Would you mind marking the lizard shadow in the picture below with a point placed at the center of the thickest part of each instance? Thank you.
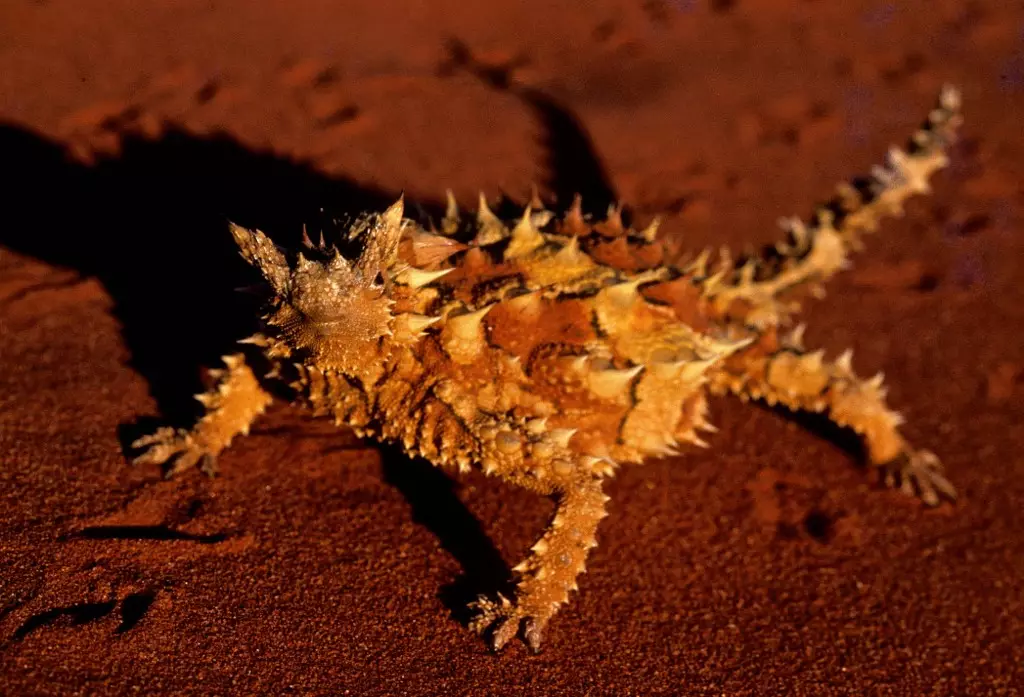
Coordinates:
(435, 504)
(150, 225)
(822, 427)
(572, 162)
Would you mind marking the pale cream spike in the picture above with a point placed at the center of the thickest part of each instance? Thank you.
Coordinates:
(393, 215)
(710, 285)
(699, 266)
(232, 361)
(623, 293)
(537, 426)
(304, 264)
(669, 370)
(797, 229)
(541, 218)
(338, 262)
(692, 371)
(814, 360)
(485, 216)
(845, 362)
(527, 303)
(205, 398)
(705, 425)
(915, 176)
(609, 384)
(650, 233)
(598, 465)
(796, 337)
(525, 237)
(570, 252)
(450, 222)
(452, 208)
(255, 340)
(463, 335)
(562, 436)
(574, 216)
(725, 347)
(416, 323)
(535, 200)
(747, 272)
(694, 439)
(417, 278)
(876, 381)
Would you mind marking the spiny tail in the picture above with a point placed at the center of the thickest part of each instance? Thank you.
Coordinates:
(814, 252)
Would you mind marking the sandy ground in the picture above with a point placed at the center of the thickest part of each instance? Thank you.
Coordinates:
(316, 564)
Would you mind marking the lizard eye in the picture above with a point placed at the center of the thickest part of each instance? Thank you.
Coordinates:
(378, 281)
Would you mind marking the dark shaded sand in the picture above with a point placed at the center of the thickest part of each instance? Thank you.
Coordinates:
(319, 565)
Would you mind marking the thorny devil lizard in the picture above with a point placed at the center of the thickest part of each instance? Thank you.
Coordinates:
(550, 351)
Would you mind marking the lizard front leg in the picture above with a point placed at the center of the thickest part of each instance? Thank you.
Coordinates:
(549, 573)
(231, 406)
(524, 450)
(799, 380)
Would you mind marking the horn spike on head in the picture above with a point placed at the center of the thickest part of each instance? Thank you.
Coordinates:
(258, 250)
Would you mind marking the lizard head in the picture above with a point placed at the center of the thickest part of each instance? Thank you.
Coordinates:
(332, 310)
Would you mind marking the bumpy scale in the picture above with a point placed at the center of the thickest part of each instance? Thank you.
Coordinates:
(551, 351)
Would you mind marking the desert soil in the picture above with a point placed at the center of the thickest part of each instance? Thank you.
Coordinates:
(317, 564)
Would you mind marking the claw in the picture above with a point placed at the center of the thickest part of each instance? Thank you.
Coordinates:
(504, 631)
(919, 474)
(501, 621)
(534, 634)
(175, 449)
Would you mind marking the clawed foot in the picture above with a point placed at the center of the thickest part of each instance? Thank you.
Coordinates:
(918, 473)
(175, 448)
(501, 620)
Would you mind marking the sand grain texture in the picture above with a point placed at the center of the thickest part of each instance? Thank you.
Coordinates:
(320, 565)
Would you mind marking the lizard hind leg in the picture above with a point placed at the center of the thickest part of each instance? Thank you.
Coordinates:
(549, 573)
(805, 381)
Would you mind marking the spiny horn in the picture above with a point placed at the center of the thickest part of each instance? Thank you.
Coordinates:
(527, 303)
(650, 233)
(609, 384)
(562, 436)
(845, 362)
(485, 216)
(525, 237)
(623, 293)
(450, 222)
(570, 253)
(693, 438)
(417, 278)
(304, 264)
(463, 335)
(415, 324)
(257, 249)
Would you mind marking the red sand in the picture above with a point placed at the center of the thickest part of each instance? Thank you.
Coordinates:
(319, 565)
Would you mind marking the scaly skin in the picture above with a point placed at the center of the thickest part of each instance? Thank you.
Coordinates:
(549, 352)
